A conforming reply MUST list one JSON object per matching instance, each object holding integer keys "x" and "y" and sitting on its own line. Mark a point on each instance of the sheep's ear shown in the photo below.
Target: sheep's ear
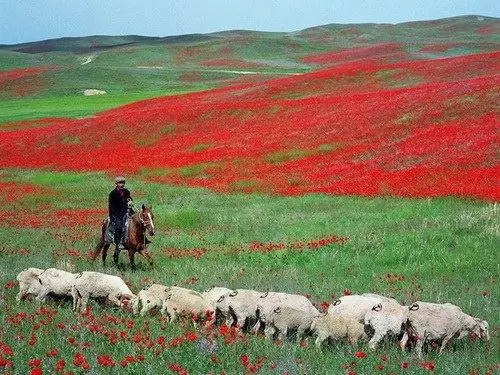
{"x": 414, "y": 307}
{"x": 39, "y": 280}
{"x": 143, "y": 206}
{"x": 377, "y": 307}
{"x": 232, "y": 294}
{"x": 277, "y": 310}
{"x": 221, "y": 298}
{"x": 336, "y": 302}
{"x": 265, "y": 294}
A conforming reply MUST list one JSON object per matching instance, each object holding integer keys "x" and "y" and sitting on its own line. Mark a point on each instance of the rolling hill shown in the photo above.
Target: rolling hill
{"x": 405, "y": 110}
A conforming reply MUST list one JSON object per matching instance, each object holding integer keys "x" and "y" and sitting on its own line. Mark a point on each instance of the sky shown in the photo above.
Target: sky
{"x": 33, "y": 20}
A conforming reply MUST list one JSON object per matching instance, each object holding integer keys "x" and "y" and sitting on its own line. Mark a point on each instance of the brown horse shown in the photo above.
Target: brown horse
{"x": 138, "y": 224}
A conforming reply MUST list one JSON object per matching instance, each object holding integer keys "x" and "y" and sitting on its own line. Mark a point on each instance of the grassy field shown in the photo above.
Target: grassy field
{"x": 384, "y": 120}
{"x": 442, "y": 250}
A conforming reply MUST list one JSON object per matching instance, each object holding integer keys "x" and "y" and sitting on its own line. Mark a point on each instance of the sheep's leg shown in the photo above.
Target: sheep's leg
{"x": 418, "y": 347}
{"x": 319, "y": 340}
{"x": 377, "y": 337}
{"x": 84, "y": 301}
{"x": 269, "y": 331}
{"x": 404, "y": 341}
{"x": 42, "y": 295}
{"x": 74, "y": 294}
{"x": 445, "y": 341}
{"x": 282, "y": 333}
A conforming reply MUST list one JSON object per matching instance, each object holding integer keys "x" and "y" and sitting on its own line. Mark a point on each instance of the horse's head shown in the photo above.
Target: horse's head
{"x": 147, "y": 219}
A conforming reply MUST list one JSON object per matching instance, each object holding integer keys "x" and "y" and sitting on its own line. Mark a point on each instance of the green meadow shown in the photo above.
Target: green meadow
{"x": 442, "y": 250}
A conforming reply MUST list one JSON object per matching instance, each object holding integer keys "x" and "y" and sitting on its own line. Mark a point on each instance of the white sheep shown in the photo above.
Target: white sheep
{"x": 150, "y": 298}
{"x": 268, "y": 301}
{"x": 56, "y": 282}
{"x": 356, "y": 306}
{"x": 432, "y": 321}
{"x": 186, "y": 301}
{"x": 386, "y": 319}
{"x": 28, "y": 282}
{"x": 283, "y": 319}
{"x": 337, "y": 327}
{"x": 95, "y": 284}
{"x": 212, "y": 295}
{"x": 241, "y": 306}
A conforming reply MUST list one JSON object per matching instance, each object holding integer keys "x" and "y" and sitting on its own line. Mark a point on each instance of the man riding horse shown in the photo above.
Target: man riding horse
{"x": 120, "y": 208}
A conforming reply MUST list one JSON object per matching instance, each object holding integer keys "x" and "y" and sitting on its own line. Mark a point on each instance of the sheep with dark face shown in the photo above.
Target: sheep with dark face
{"x": 433, "y": 321}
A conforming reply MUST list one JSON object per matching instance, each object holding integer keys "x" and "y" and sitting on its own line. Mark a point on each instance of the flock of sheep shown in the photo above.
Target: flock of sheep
{"x": 351, "y": 317}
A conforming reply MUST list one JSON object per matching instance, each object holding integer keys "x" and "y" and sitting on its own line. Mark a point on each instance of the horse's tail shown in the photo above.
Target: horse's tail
{"x": 100, "y": 244}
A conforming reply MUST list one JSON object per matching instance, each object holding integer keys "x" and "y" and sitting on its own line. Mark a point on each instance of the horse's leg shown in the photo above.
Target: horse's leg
{"x": 104, "y": 253}
{"x": 116, "y": 254}
{"x": 147, "y": 255}
{"x": 131, "y": 254}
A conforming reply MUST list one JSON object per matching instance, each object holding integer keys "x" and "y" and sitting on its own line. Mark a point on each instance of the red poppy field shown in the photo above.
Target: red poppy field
{"x": 368, "y": 167}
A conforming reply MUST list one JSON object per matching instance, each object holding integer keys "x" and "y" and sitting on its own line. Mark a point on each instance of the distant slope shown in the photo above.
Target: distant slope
{"x": 161, "y": 65}
{"x": 370, "y": 126}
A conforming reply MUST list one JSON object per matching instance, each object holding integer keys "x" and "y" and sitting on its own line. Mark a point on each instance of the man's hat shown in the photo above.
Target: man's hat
{"x": 119, "y": 179}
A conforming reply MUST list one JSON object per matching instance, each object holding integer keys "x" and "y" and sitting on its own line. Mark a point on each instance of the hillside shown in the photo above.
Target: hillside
{"x": 405, "y": 110}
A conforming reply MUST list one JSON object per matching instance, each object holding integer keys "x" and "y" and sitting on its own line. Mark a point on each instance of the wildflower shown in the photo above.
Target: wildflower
{"x": 35, "y": 362}
{"x": 191, "y": 336}
{"x": 60, "y": 365}
{"x": 245, "y": 360}
{"x": 360, "y": 354}
{"x": 105, "y": 361}
{"x": 347, "y": 292}
{"x": 36, "y": 371}
{"x": 428, "y": 365}
{"x": 53, "y": 353}
{"x": 405, "y": 364}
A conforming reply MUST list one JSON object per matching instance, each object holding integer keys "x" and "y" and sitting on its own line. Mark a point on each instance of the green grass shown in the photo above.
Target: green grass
{"x": 74, "y": 106}
{"x": 445, "y": 249}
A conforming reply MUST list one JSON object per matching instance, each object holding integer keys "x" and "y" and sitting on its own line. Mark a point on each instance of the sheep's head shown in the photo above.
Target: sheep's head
{"x": 481, "y": 329}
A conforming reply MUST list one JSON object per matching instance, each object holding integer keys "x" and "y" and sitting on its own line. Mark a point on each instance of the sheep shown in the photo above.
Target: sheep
{"x": 212, "y": 295}
{"x": 384, "y": 319}
{"x": 432, "y": 321}
{"x": 95, "y": 284}
{"x": 28, "y": 282}
{"x": 283, "y": 319}
{"x": 336, "y": 327}
{"x": 56, "y": 282}
{"x": 241, "y": 306}
{"x": 181, "y": 300}
{"x": 268, "y": 301}
{"x": 357, "y": 306}
{"x": 149, "y": 298}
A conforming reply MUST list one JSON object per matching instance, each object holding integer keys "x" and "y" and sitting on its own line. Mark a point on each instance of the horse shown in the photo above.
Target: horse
{"x": 135, "y": 242}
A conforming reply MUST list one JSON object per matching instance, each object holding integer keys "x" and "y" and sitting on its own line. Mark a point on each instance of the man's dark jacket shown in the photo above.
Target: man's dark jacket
{"x": 118, "y": 200}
